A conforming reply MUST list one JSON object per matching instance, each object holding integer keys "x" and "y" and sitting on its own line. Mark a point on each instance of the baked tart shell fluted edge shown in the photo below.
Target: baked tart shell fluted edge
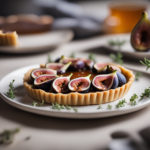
{"x": 80, "y": 98}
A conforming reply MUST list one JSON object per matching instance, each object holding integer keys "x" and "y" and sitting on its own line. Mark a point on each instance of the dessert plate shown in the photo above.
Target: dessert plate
{"x": 23, "y": 102}
{"x": 39, "y": 42}
{"x": 126, "y": 49}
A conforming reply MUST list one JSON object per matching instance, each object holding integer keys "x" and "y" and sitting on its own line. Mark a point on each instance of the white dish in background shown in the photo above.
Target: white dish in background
{"x": 24, "y": 102}
{"x": 33, "y": 43}
{"x": 126, "y": 49}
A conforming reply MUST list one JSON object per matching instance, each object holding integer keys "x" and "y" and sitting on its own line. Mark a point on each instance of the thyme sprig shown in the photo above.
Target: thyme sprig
{"x": 49, "y": 58}
{"x": 146, "y": 63}
{"x": 137, "y": 76}
{"x": 117, "y": 58}
{"x": 121, "y": 103}
{"x": 109, "y": 106}
{"x": 92, "y": 57}
{"x": 11, "y": 91}
{"x": 118, "y": 43}
{"x": 36, "y": 104}
{"x": 57, "y": 106}
{"x": 133, "y": 99}
{"x": 6, "y": 137}
{"x": 145, "y": 94}
{"x": 72, "y": 55}
{"x": 99, "y": 107}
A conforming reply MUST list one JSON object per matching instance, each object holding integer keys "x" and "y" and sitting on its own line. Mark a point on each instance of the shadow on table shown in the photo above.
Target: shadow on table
{"x": 38, "y": 121}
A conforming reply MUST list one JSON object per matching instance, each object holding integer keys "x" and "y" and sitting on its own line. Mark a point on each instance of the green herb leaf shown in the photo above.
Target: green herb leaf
{"x": 6, "y": 137}
{"x": 49, "y": 58}
{"x": 11, "y": 91}
{"x": 133, "y": 99}
{"x": 99, "y": 107}
{"x": 117, "y": 58}
{"x": 75, "y": 109}
{"x": 92, "y": 57}
{"x": 41, "y": 103}
{"x": 68, "y": 107}
{"x": 145, "y": 94}
{"x": 109, "y": 106}
{"x": 121, "y": 103}
{"x": 72, "y": 55}
{"x": 146, "y": 63}
{"x": 116, "y": 43}
{"x": 137, "y": 76}
{"x": 34, "y": 103}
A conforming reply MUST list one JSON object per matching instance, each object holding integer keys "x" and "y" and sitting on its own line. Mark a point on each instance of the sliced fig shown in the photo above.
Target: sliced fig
{"x": 61, "y": 68}
{"x": 37, "y": 72}
{"x": 140, "y": 35}
{"x": 44, "y": 81}
{"x": 60, "y": 85}
{"x": 105, "y": 81}
{"x": 121, "y": 77}
{"x": 77, "y": 64}
{"x": 111, "y": 69}
{"x": 81, "y": 84}
{"x": 88, "y": 63}
{"x": 100, "y": 67}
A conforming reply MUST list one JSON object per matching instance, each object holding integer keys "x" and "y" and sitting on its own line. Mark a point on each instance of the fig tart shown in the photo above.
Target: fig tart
{"x": 74, "y": 81}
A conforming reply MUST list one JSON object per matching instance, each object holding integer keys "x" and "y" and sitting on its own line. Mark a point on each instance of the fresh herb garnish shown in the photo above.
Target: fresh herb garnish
{"x": 34, "y": 103}
{"x": 92, "y": 57}
{"x": 121, "y": 103}
{"x": 49, "y": 58}
{"x": 116, "y": 43}
{"x": 132, "y": 99}
{"x": 117, "y": 58}
{"x": 11, "y": 91}
{"x": 99, "y": 107}
{"x": 109, "y": 106}
{"x": 146, "y": 63}
{"x": 137, "y": 76}
{"x": 57, "y": 106}
{"x": 72, "y": 55}
{"x": 145, "y": 94}
{"x": 41, "y": 103}
{"x": 7, "y": 136}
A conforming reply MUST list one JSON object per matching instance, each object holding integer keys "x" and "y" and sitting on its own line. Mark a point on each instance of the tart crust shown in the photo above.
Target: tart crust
{"x": 75, "y": 98}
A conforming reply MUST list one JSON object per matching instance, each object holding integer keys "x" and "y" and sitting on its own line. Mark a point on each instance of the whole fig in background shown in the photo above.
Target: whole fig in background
{"x": 140, "y": 35}
{"x": 60, "y": 84}
{"x": 105, "y": 81}
{"x": 81, "y": 84}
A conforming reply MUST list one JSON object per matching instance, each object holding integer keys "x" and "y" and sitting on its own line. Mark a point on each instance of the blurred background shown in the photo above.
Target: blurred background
{"x": 85, "y": 17}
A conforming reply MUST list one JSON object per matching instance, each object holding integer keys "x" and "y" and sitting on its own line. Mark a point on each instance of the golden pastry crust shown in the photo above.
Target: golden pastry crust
{"x": 80, "y": 98}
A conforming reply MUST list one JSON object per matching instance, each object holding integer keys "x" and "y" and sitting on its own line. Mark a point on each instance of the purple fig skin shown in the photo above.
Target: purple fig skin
{"x": 140, "y": 35}
{"x": 46, "y": 85}
{"x": 76, "y": 65}
{"x": 115, "y": 82}
{"x": 57, "y": 60}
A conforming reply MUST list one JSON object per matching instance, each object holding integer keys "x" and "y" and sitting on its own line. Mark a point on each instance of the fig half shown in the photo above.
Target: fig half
{"x": 81, "y": 84}
{"x": 105, "y": 81}
{"x": 61, "y": 68}
{"x": 37, "y": 72}
{"x": 88, "y": 63}
{"x": 76, "y": 65}
{"x": 121, "y": 77}
{"x": 60, "y": 85}
{"x": 140, "y": 35}
{"x": 44, "y": 81}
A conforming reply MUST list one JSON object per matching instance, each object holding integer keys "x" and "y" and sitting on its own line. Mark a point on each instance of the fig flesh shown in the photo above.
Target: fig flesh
{"x": 76, "y": 65}
{"x": 140, "y": 35}
{"x": 60, "y": 84}
{"x": 44, "y": 81}
{"x": 105, "y": 81}
{"x": 61, "y": 68}
{"x": 37, "y": 72}
{"x": 81, "y": 84}
{"x": 121, "y": 77}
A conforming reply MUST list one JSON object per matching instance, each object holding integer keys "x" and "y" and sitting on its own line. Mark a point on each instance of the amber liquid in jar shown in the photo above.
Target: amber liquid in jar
{"x": 123, "y": 17}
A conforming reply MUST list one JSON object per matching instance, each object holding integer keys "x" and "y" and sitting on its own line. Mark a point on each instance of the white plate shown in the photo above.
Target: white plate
{"x": 22, "y": 101}
{"x": 39, "y": 42}
{"x": 126, "y": 49}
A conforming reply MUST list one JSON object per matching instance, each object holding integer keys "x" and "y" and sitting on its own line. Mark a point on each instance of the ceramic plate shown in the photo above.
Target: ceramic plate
{"x": 23, "y": 102}
{"x": 126, "y": 49}
{"x": 39, "y": 42}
